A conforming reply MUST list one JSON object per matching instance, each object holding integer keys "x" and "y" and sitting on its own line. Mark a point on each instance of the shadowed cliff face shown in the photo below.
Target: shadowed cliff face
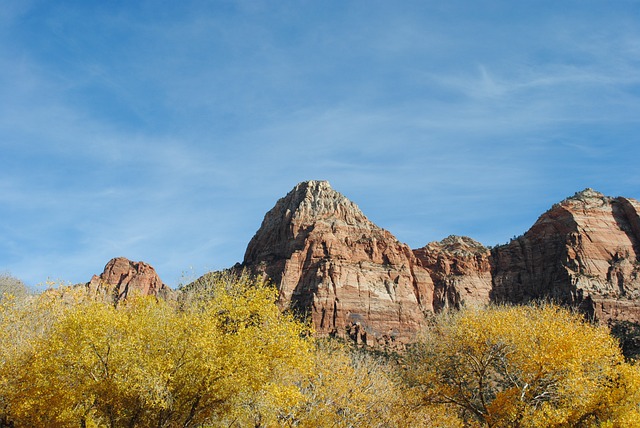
{"x": 329, "y": 261}
{"x": 583, "y": 252}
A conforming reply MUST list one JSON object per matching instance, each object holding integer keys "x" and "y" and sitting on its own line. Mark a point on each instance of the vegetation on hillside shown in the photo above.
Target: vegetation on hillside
{"x": 12, "y": 287}
{"x": 525, "y": 366}
{"x": 224, "y": 355}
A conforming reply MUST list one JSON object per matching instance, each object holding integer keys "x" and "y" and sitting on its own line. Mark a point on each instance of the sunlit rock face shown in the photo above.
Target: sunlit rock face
{"x": 329, "y": 261}
{"x": 460, "y": 269}
{"x": 122, "y": 277}
{"x": 354, "y": 279}
{"x": 584, "y": 251}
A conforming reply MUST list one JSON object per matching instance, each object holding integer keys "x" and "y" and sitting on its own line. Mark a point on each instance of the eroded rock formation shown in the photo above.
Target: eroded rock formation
{"x": 122, "y": 277}
{"x": 355, "y": 279}
{"x": 460, "y": 269}
{"x": 328, "y": 260}
{"x": 584, "y": 252}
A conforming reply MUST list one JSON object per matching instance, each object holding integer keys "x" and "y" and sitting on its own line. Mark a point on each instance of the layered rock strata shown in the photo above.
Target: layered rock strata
{"x": 122, "y": 277}
{"x": 583, "y": 252}
{"x": 460, "y": 269}
{"x": 329, "y": 261}
{"x": 356, "y": 280}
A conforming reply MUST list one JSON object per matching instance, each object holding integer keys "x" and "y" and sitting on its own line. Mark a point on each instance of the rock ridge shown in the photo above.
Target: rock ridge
{"x": 460, "y": 269}
{"x": 332, "y": 263}
{"x": 355, "y": 280}
{"x": 583, "y": 252}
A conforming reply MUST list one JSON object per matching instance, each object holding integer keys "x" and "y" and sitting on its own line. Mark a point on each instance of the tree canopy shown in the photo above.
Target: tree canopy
{"x": 525, "y": 366}
{"x": 225, "y": 355}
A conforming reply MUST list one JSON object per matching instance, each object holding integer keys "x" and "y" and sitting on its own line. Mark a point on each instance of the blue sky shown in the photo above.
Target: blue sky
{"x": 164, "y": 131}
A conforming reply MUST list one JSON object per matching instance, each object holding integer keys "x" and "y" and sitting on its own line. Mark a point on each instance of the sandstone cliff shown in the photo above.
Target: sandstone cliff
{"x": 354, "y": 279}
{"x": 460, "y": 269}
{"x": 122, "y": 277}
{"x": 329, "y": 261}
{"x": 584, "y": 251}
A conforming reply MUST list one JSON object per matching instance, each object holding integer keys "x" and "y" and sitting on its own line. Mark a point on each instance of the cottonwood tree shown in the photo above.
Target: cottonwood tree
{"x": 531, "y": 366}
{"x": 148, "y": 363}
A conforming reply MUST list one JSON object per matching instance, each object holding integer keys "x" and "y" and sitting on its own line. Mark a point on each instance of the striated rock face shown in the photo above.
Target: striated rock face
{"x": 328, "y": 260}
{"x": 121, "y": 277}
{"x": 584, "y": 251}
{"x": 460, "y": 269}
{"x": 355, "y": 279}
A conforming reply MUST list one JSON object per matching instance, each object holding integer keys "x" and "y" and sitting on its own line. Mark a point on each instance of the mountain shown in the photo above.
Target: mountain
{"x": 122, "y": 277}
{"x": 355, "y": 280}
{"x": 584, "y": 251}
{"x": 329, "y": 261}
{"x": 460, "y": 269}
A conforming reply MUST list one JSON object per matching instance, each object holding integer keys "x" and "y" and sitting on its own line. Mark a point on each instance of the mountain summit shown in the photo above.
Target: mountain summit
{"x": 356, "y": 280}
{"x": 584, "y": 251}
{"x": 329, "y": 261}
{"x": 288, "y": 223}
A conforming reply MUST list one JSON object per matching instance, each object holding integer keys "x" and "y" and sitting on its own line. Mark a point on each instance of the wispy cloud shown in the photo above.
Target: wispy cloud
{"x": 165, "y": 135}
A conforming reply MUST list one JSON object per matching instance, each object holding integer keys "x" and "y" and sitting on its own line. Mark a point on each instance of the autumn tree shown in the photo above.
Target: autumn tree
{"x": 526, "y": 366}
{"x": 347, "y": 388}
{"x": 12, "y": 287}
{"x": 69, "y": 361}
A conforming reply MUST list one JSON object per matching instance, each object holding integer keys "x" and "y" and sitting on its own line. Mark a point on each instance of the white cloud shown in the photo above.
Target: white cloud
{"x": 170, "y": 146}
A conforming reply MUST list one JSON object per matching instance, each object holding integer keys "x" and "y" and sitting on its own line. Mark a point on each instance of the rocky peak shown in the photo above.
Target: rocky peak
{"x": 122, "y": 277}
{"x": 587, "y": 198}
{"x": 583, "y": 251}
{"x": 329, "y": 261}
{"x": 586, "y": 194}
{"x": 459, "y": 245}
{"x": 288, "y": 223}
{"x": 460, "y": 269}
{"x": 311, "y": 201}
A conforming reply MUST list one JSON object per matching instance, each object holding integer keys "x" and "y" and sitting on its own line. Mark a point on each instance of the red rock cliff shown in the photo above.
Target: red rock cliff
{"x": 460, "y": 269}
{"x": 584, "y": 251}
{"x": 121, "y": 277}
{"x": 328, "y": 260}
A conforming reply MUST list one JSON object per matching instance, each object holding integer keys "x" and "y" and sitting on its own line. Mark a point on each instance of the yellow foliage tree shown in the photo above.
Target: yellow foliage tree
{"x": 150, "y": 363}
{"x": 348, "y": 388}
{"x": 12, "y": 287}
{"x": 531, "y": 366}
{"x": 355, "y": 388}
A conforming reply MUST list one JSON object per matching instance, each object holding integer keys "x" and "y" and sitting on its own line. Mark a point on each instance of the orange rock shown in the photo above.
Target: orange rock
{"x": 460, "y": 269}
{"x": 329, "y": 261}
{"x": 583, "y": 252}
{"x": 121, "y": 276}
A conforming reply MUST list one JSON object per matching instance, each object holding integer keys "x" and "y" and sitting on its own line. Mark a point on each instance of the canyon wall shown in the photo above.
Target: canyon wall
{"x": 355, "y": 280}
{"x": 582, "y": 252}
{"x": 329, "y": 261}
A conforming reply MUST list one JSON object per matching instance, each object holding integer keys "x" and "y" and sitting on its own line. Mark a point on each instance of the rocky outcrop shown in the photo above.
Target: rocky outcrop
{"x": 583, "y": 252}
{"x": 354, "y": 279}
{"x": 329, "y": 261}
{"x": 122, "y": 277}
{"x": 460, "y": 269}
